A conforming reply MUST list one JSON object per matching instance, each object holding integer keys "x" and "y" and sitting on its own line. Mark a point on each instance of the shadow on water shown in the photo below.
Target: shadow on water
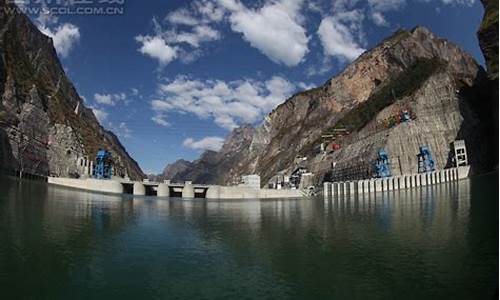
{"x": 437, "y": 243}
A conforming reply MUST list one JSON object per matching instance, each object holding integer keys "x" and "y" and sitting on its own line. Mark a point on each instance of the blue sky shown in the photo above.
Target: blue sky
{"x": 172, "y": 78}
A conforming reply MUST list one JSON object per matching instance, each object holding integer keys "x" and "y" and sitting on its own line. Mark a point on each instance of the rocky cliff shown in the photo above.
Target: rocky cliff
{"x": 44, "y": 125}
{"x": 488, "y": 36}
{"x": 412, "y": 70}
{"x": 173, "y": 170}
{"x": 488, "y": 41}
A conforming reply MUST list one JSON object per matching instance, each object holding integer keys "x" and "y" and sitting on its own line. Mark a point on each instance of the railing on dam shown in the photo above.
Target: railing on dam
{"x": 359, "y": 187}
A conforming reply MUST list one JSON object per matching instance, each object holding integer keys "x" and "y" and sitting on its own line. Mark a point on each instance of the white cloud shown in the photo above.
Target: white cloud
{"x": 198, "y": 35}
{"x": 341, "y": 34}
{"x": 208, "y": 11}
{"x": 379, "y": 19}
{"x": 100, "y": 114}
{"x": 121, "y": 130}
{"x": 156, "y": 47}
{"x": 103, "y": 99}
{"x": 200, "y": 12}
{"x": 213, "y": 143}
{"x": 64, "y": 36}
{"x": 227, "y": 103}
{"x": 306, "y": 86}
{"x": 160, "y": 119}
{"x": 377, "y": 8}
{"x": 386, "y": 5}
{"x": 110, "y": 99}
{"x": 183, "y": 17}
{"x": 454, "y": 2}
{"x": 187, "y": 30}
{"x": 274, "y": 29}
{"x": 337, "y": 40}
{"x": 458, "y": 2}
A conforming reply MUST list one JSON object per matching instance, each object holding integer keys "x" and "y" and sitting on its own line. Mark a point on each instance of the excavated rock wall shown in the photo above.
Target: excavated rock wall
{"x": 442, "y": 116}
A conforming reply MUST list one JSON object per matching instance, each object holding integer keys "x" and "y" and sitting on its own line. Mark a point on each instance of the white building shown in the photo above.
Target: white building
{"x": 252, "y": 181}
{"x": 460, "y": 153}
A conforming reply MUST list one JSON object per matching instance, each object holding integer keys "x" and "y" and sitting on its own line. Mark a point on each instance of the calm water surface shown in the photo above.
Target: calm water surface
{"x": 435, "y": 243}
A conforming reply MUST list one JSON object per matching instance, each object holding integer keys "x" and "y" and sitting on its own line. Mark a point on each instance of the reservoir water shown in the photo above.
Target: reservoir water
{"x": 438, "y": 242}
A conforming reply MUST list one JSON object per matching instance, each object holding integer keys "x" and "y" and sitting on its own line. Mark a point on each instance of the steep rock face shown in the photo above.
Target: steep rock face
{"x": 178, "y": 167}
{"x": 442, "y": 114}
{"x": 488, "y": 36}
{"x": 40, "y": 125}
{"x": 412, "y": 69}
{"x": 174, "y": 172}
{"x": 292, "y": 129}
{"x": 488, "y": 41}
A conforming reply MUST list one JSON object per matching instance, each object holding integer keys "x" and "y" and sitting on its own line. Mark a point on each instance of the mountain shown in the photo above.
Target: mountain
{"x": 488, "y": 41}
{"x": 44, "y": 124}
{"x": 172, "y": 171}
{"x": 214, "y": 167}
{"x": 488, "y": 36}
{"x": 178, "y": 167}
{"x": 411, "y": 70}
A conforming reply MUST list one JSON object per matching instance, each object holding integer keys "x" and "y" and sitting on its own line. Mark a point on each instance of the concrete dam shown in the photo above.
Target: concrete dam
{"x": 190, "y": 190}
{"x": 168, "y": 189}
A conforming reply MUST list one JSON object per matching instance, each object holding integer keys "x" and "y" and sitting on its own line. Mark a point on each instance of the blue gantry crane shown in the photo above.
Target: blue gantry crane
{"x": 425, "y": 160}
{"x": 382, "y": 165}
{"x": 103, "y": 165}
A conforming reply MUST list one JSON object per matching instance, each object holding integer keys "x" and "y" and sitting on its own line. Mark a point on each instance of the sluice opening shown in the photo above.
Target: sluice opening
{"x": 128, "y": 188}
{"x": 176, "y": 193}
{"x": 200, "y": 193}
{"x": 150, "y": 190}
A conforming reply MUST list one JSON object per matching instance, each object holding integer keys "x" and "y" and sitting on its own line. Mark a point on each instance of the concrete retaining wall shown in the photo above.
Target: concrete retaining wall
{"x": 89, "y": 184}
{"x": 341, "y": 189}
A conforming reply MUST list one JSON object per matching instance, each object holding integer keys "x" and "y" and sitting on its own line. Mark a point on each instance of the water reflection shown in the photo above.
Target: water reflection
{"x": 424, "y": 242}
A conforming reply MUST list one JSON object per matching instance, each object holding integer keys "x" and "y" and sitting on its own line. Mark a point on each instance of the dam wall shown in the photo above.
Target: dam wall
{"x": 330, "y": 189}
{"x": 394, "y": 183}
{"x": 239, "y": 192}
{"x": 187, "y": 190}
{"x": 89, "y": 184}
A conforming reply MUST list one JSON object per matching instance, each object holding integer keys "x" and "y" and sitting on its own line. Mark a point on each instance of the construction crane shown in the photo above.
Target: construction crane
{"x": 103, "y": 165}
{"x": 425, "y": 160}
{"x": 382, "y": 165}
